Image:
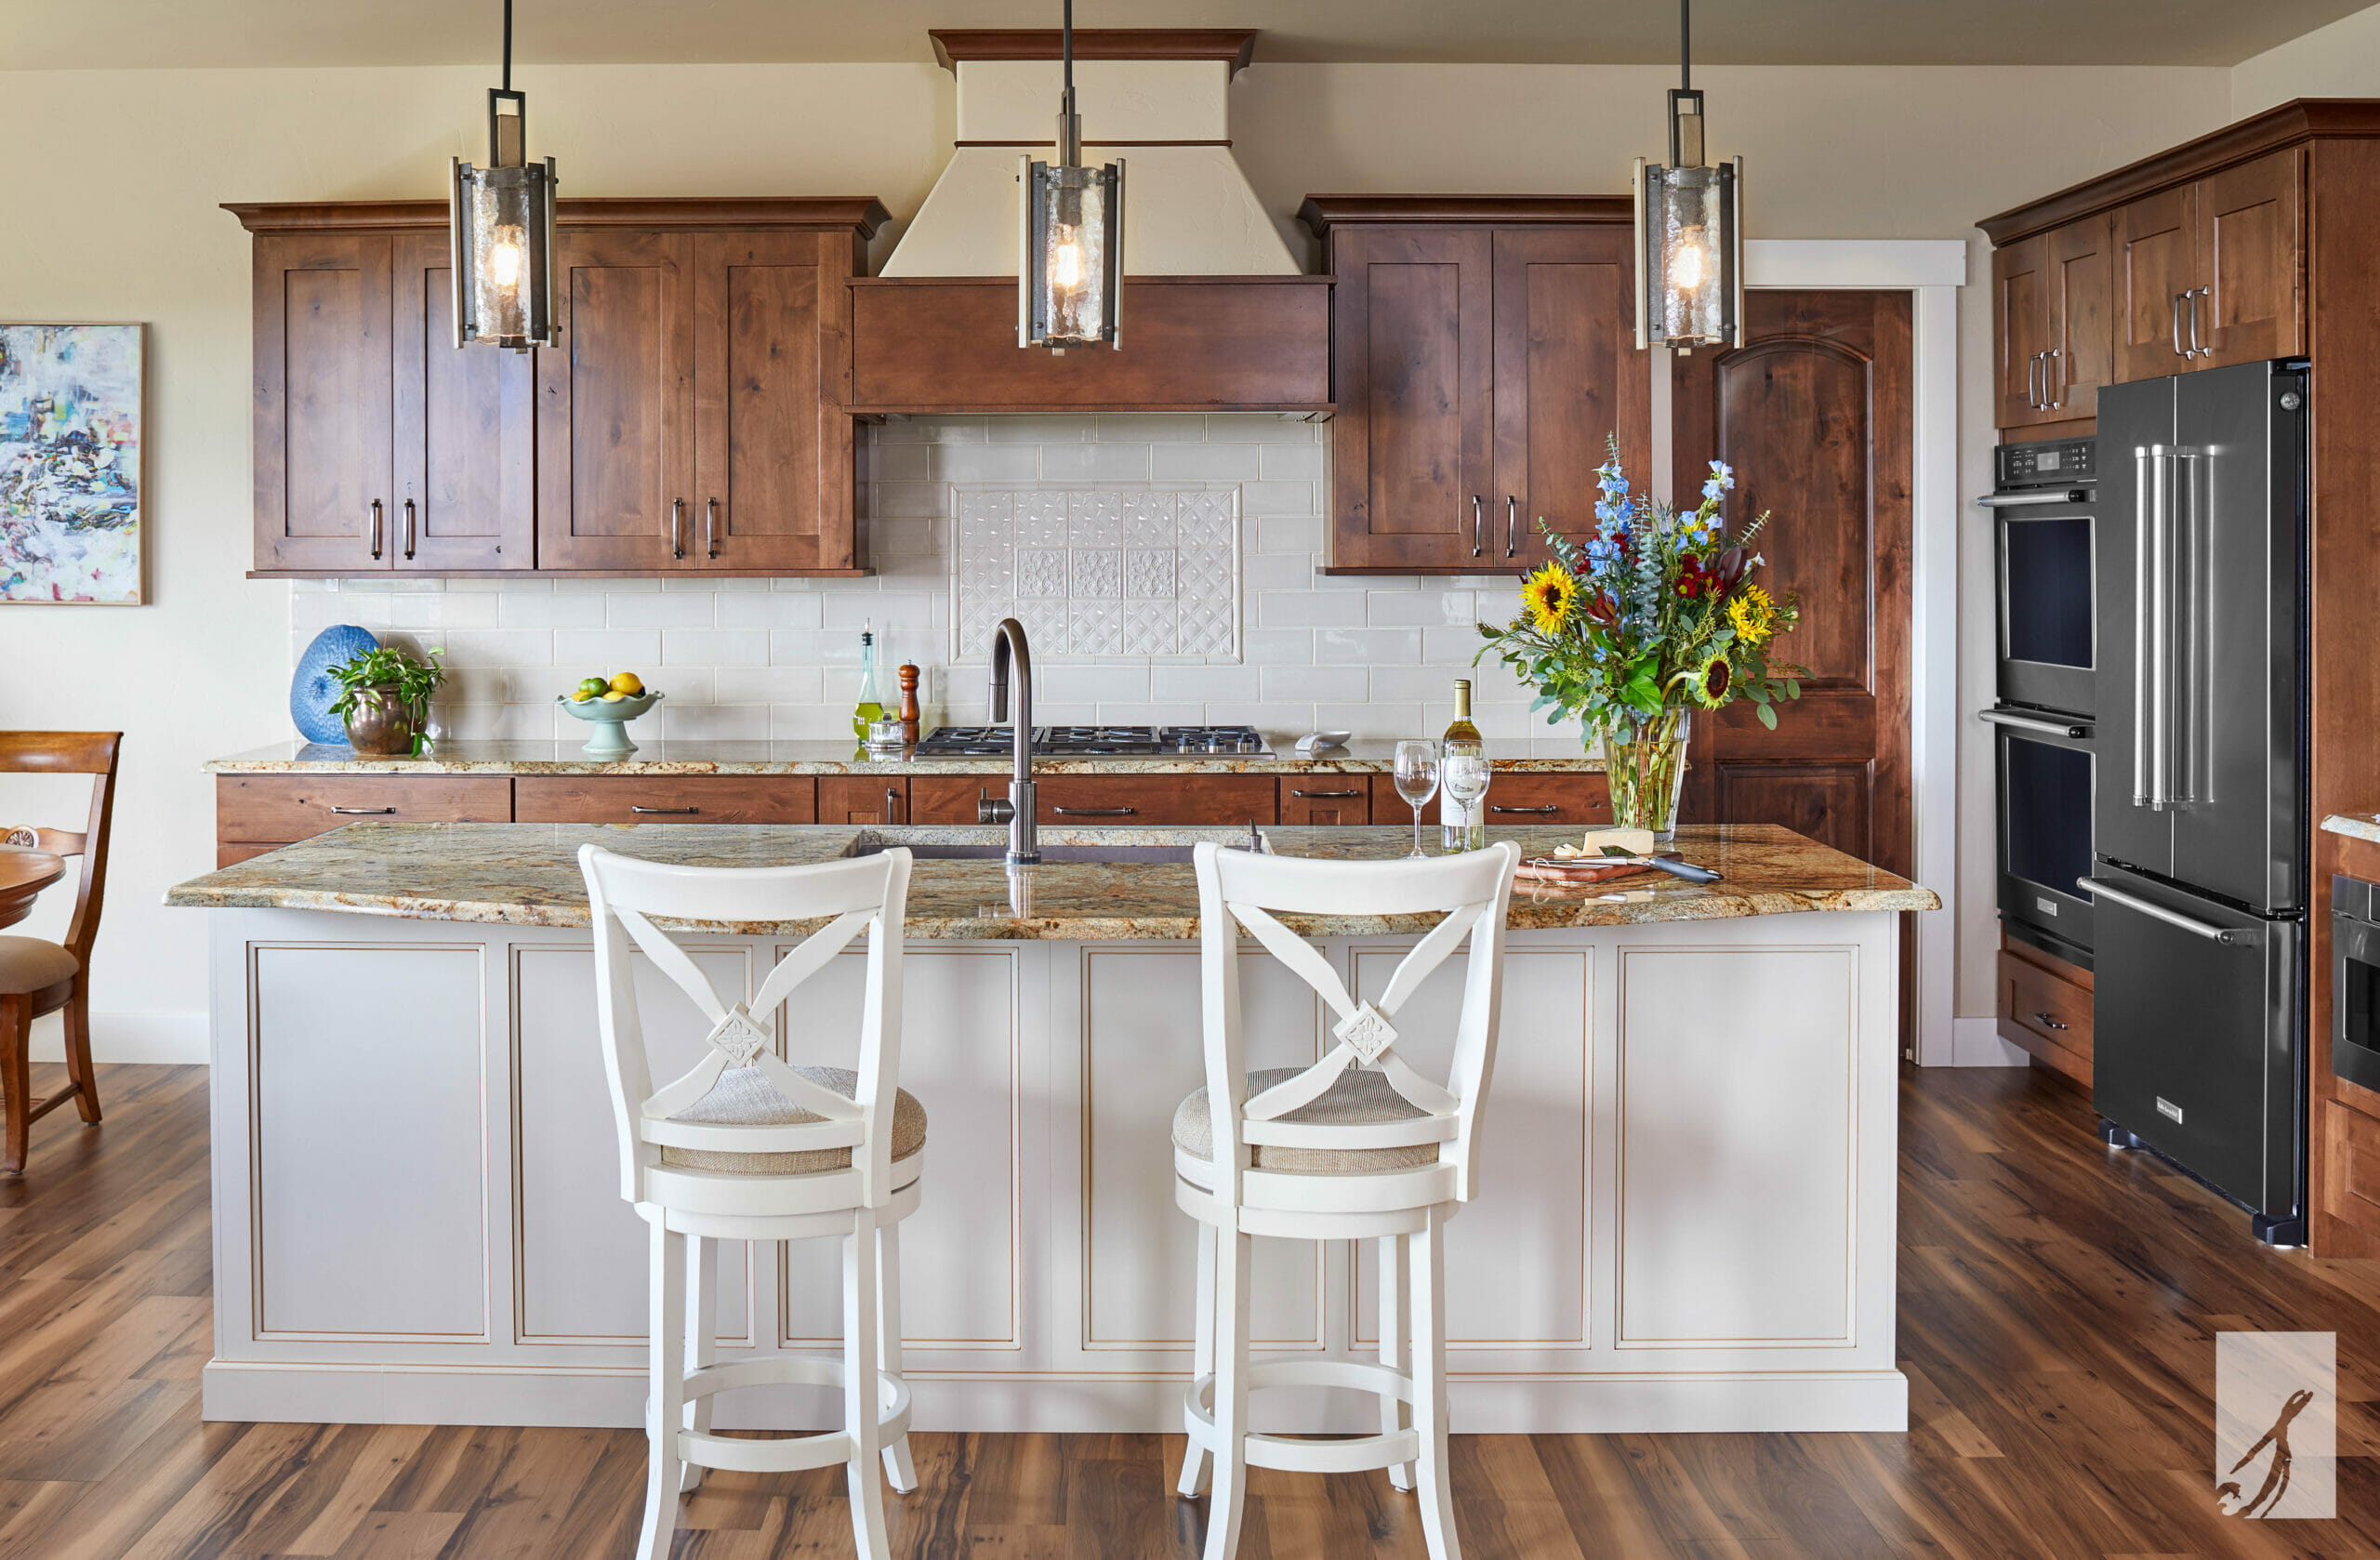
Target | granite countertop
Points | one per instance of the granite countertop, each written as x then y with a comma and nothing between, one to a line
1548,755
2355,826
527,875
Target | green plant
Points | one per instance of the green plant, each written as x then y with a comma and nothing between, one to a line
1655,612
390,667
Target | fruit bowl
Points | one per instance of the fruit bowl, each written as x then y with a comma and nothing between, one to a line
610,718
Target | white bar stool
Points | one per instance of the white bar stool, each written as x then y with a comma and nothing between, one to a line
744,1147
1357,1146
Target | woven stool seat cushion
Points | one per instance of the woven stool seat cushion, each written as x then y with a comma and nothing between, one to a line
1357,1099
744,1097
30,964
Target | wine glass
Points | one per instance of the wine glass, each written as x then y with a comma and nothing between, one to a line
1417,781
1464,775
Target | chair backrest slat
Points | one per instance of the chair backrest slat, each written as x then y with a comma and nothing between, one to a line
92,753
1240,890
865,895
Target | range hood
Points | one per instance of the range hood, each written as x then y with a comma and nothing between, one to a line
1216,314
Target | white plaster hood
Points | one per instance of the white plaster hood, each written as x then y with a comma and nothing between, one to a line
1189,210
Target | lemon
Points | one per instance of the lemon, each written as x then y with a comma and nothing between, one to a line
614,699
629,683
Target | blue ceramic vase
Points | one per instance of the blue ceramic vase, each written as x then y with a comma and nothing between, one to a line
312,690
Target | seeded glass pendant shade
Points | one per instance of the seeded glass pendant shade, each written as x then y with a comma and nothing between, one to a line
1689,236
501,229
1070,264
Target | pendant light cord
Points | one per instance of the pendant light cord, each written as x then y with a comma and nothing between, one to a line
1685,41
507,45
1068,49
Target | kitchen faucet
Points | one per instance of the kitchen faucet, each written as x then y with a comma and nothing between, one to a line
1017,812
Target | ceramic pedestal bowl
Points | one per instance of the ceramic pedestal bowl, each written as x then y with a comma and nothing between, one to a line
610,718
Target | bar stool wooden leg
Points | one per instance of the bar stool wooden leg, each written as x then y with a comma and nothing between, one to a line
1429,1364
1202,1359
702,1338
1395,1347
897,1464
79,1051
860,1406
1227,1503
664,1409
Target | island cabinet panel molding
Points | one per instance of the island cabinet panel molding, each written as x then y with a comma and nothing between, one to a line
1482,350
693,414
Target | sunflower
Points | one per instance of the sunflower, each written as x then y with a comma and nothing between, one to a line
1709,682
1548,595
1754,614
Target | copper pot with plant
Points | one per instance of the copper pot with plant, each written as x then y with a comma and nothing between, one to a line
384,699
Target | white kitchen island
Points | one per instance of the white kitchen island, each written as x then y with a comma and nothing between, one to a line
1686,1220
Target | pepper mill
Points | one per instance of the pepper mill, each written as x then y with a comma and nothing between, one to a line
909,713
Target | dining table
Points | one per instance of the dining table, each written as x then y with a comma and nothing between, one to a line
23,874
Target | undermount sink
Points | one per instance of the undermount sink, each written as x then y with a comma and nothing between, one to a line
1051,855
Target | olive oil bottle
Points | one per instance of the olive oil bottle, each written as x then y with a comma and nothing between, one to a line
870,707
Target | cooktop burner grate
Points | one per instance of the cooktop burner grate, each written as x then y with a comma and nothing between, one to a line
1123,742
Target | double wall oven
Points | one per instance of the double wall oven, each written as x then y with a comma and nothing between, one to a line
2046,544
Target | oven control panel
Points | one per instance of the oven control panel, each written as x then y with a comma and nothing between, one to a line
2047,463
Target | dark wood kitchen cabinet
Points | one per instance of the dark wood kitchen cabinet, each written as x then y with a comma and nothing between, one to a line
2210,270
1482,349
2052,308
694,417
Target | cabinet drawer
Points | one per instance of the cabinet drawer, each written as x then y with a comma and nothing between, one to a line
721,798
2046,1012
278,809
865,799
1095,800
1529,797
1327,800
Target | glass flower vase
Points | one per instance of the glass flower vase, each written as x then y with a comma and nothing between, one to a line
1644,761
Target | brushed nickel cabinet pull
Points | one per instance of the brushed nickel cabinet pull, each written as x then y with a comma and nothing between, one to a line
409,530
1478,526
1095,812
677,528
2197,351
710,528
633,808
375,530
1512,526
1549,807
2046,1022
363,812
1335,796
892,800
2178,351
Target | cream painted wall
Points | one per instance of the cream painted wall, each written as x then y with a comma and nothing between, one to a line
127,229
2340,61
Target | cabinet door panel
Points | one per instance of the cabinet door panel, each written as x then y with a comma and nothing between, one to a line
1568,377
615,405
1413,369
2080,317
322,402
1327,800
774,446
2156,262
2248,253
2021,286
463,427
868,799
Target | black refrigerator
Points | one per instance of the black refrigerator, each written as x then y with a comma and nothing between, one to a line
2199,827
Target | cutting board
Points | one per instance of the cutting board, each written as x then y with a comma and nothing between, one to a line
1584,870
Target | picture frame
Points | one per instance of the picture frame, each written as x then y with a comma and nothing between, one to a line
74,475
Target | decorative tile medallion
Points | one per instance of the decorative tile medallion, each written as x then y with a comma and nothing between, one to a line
1094,572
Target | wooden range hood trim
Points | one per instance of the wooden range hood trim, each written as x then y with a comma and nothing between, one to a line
2304,119
1320,213
953,354
862,214
1231,45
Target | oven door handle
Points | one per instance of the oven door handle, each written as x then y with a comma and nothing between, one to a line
2230,936
2026,500
2010,718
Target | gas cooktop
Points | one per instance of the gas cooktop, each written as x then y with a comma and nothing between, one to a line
1105,742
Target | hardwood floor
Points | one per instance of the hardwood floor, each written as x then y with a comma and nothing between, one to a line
2057,1310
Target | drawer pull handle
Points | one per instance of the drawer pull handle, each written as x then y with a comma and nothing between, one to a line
1549,807
2046,1022
633,808
1094,812
891,804
1335,796
359,812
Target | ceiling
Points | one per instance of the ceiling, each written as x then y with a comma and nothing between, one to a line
52,35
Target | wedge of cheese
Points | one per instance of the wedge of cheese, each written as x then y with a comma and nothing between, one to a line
1635,842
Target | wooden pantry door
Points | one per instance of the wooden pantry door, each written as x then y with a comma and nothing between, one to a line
1814,412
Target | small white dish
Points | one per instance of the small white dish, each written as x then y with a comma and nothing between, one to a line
1322,742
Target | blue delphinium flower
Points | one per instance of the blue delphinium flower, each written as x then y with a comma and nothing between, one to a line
1722,479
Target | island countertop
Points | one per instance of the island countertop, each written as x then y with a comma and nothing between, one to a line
527,875
1547,755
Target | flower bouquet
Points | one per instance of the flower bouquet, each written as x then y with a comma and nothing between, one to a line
1653,618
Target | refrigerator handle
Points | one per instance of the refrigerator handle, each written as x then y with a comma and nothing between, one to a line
2160,614
2144,525
2226,936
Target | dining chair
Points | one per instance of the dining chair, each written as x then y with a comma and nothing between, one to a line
39,977
750,1146
1358,1146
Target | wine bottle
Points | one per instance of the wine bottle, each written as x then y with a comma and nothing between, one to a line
870,707
1462,825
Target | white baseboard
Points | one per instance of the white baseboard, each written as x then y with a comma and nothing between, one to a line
1976,1042
171,1038
1650,1403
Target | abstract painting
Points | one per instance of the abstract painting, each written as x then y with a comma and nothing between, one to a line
70,464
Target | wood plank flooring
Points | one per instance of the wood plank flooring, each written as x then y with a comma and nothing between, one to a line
2059,1303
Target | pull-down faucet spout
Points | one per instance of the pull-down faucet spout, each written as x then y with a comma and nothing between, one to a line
1017,812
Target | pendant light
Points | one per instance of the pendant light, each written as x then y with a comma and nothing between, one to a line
1070,265
1689,234
501,229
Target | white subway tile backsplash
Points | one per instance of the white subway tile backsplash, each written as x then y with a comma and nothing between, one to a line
1319,683
714,647
545,609
1204,463
612,648
1363,647
662,611
1309,609
1101,463
778,609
